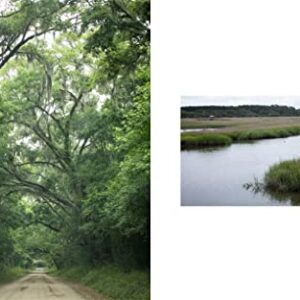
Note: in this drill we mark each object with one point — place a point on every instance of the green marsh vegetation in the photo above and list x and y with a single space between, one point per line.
231 130
195 139
75 136
283 177
281 181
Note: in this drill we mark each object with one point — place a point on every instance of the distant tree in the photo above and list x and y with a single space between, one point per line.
239 111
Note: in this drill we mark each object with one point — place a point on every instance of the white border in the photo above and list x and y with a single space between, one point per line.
219 48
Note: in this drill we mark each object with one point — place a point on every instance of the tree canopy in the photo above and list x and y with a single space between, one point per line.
75 132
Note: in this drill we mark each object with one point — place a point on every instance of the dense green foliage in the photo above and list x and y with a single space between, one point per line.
112 282
239 111
199 140
75 133
21 21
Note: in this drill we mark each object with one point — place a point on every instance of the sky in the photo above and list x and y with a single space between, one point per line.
220 100
3 5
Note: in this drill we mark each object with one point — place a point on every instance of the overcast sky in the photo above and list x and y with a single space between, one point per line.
218 100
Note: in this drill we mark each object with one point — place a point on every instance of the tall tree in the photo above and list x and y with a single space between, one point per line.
75 122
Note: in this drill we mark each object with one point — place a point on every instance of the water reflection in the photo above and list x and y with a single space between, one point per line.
293 198
208 149
258 187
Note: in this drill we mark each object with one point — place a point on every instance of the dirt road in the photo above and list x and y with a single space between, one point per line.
38 286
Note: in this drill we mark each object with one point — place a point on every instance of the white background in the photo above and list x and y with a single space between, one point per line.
225 48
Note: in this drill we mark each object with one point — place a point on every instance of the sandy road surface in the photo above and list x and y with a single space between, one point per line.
38 286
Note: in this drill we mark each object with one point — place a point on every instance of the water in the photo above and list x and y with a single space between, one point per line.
198 129
216 177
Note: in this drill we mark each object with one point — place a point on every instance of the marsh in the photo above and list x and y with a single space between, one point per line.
215 176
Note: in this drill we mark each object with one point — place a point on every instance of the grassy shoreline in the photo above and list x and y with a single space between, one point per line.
110 281
283 177
192 140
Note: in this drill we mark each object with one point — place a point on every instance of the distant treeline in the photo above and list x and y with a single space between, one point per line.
239 111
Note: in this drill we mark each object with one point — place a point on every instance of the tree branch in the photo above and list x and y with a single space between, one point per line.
6 58
39 163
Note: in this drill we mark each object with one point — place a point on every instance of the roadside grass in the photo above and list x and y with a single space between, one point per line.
283 177
12 274
111 282
198 140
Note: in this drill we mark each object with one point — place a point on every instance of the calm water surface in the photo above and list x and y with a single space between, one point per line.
198 129
216 177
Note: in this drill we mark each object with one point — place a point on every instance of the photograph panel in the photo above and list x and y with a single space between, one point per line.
240 151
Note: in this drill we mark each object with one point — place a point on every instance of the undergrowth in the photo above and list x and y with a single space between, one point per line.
12 274
111 282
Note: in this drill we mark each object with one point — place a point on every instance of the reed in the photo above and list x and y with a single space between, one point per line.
283 177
